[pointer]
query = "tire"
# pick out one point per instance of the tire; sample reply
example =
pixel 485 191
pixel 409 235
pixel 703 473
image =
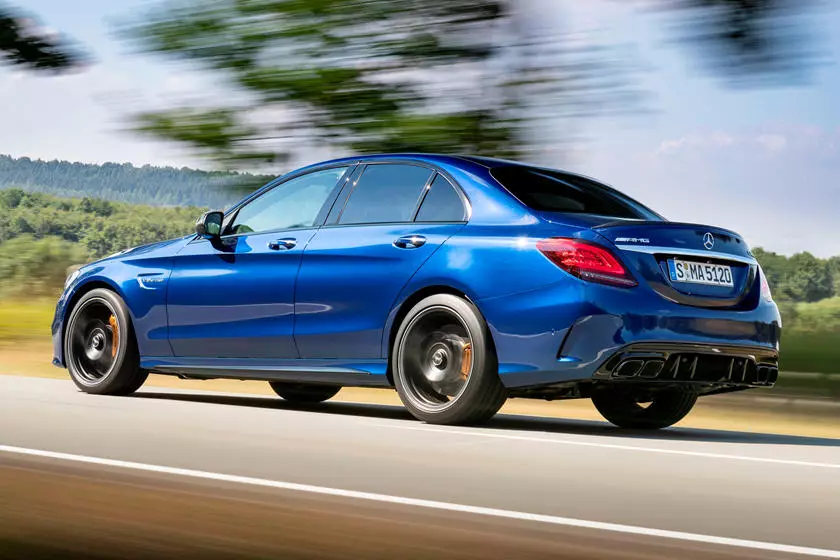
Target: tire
pixel 621 407
pixel 303 393
pixel 96 364
pixel 444 363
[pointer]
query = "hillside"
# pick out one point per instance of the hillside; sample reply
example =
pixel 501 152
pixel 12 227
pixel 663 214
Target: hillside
pixel 42 235
pixel 123 182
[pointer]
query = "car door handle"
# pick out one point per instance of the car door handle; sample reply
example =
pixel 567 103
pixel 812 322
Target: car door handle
pixel 410 241
pixel 282 244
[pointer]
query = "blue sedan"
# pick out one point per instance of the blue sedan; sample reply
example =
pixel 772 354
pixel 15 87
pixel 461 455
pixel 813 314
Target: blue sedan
pixel 459 281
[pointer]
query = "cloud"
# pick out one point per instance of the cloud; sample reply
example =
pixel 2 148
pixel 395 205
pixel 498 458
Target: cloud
pixel 796 139
pixel 716 139
pixel 741 178
pixel 772 142
pixel 671 146
pixel 722 139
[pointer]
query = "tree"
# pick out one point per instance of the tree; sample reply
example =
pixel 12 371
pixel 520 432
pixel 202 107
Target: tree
pixel 22 42
pixel 412 75
pixel 775 267
pixel 800 278
pixel 809 278
pixel 370 76
pixel 834 271
pixel 752 41
pixel 36 266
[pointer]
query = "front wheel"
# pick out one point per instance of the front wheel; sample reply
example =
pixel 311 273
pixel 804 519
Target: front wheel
pixel 99 346
pixel 650 410
pixel 304 393
pixel 444 364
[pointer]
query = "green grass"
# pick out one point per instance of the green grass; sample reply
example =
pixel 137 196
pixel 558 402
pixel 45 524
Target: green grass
pixel 818 316
pixel 801 351
pixel 810 351
pixel 29 320
pixel 813 352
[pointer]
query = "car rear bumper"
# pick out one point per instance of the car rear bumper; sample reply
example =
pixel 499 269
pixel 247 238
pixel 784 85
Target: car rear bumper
pixel 590 353
pixel 705 368
pixel 611 322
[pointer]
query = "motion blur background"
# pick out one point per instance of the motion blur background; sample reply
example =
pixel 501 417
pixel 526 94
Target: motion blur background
pixel 711 111
pixel 123 120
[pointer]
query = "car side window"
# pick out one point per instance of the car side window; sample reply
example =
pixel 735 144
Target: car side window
pixel 385 193
pixel 442 203
pixel 292 204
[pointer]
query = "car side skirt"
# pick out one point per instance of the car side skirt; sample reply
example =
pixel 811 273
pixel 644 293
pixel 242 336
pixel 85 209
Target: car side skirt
pixel 322 372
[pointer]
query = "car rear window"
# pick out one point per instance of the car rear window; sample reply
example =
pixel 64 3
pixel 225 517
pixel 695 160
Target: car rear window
pixel 549 190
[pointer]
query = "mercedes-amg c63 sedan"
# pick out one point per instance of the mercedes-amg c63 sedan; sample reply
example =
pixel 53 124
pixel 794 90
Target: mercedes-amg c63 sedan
pixel 459 281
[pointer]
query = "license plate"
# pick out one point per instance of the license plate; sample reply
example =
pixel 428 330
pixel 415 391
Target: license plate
pixel 700 273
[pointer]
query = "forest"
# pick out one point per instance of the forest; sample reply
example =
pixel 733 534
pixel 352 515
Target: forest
pixel 39 231
pixel 41 235
pixel 124 182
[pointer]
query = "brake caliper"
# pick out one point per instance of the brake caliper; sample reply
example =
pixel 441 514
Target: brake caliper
pixel 115 333
pixel 466 360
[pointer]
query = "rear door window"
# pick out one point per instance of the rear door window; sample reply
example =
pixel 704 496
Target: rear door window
pixel 555 191
pixel 442 203
pixel 385 193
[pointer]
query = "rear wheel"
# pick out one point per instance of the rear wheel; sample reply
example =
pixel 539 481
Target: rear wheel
pixel 99 346
pixel 444 364
pixel 652 410
pixel 304 393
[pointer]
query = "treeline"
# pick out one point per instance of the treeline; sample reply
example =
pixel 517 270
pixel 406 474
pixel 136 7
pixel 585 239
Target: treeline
pixel 123 182
pixel 42 235
pixel 806 289
pixel 802 277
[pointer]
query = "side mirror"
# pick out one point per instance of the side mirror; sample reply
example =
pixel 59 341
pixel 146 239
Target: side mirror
pixel 209 225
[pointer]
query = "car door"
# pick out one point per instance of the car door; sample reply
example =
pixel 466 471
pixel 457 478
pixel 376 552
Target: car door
pixel 356 265
pixel 233 297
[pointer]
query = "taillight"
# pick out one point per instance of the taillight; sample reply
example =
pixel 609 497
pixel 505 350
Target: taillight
pixel 586 260
pixel 765 286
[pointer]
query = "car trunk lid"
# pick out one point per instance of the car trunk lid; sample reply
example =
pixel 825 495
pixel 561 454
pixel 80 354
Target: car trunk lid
pixel 692 264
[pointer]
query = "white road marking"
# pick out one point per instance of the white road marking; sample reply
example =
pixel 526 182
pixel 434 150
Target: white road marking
pixel 614 446
pixel 461 508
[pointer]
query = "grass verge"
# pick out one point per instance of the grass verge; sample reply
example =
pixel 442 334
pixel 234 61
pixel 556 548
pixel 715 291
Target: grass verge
pixel 30 320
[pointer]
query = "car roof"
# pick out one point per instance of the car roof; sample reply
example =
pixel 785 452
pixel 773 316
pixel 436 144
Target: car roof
pixel 444 159
pixel 428 157
pixel 417 156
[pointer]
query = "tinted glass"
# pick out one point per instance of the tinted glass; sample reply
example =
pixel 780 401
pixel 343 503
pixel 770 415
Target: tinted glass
pixel 385 193
pixel 293 204
pixel 555 191
pixel 442 203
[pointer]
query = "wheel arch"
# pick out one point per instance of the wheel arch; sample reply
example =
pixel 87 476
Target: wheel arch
pixel 79 293
pixel 400 312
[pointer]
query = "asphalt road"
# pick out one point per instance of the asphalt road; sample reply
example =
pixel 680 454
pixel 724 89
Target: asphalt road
pixel 204 475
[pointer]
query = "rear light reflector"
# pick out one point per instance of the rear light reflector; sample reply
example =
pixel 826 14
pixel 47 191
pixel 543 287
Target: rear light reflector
pixel 765 286
pixel 586 260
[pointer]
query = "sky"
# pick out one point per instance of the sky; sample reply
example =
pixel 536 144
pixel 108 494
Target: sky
pixel 762 161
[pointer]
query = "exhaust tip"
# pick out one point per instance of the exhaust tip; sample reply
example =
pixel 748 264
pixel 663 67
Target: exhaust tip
pixel 767 375
pixel 652 369
pixel 629 368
